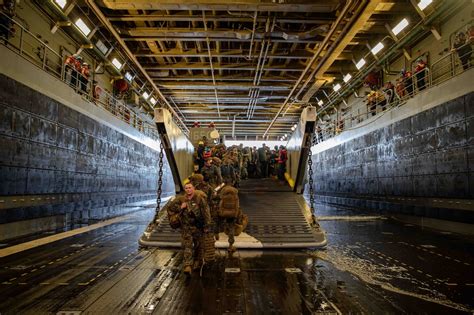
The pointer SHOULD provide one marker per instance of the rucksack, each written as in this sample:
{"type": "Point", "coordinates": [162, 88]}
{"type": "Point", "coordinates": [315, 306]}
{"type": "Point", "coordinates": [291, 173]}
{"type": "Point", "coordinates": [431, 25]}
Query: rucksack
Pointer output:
{"type": "Point", "coordinates": [229, 203]}
{"type": "Point", "coordinates": [226, 170]}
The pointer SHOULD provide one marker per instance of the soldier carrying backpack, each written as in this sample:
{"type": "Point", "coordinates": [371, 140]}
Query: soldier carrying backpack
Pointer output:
{"type": "Point", "coordinates": [228, 212]}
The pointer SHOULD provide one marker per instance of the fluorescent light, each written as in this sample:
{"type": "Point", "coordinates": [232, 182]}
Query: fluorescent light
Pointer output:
{"type": "Point", "coordinates": [360, 64]}
{"type": "Point", "coordinates": [347, 77]}
{"type": "Point", "coordinates": [62, 3]}
{"type": "Point", "coordinates": [400, 26]}
{"type": "Point", "coordinates": [145, 95]}
{"type": "Point", "coordinates": [101, 46]}
{"type": "Point", "coordinates": [424, 3]}
{"type": "Point", "coordinates": [117, 63]}
{"type": "Point", "coordinates": [293, 128]}
{"type": "Point", "coordinates": [82, 27]}
{"type": "Point", "coordinates": [295, 125]}
{"type": "Point", "coordinates": [286, 135]}
{"type": "Point", "coordinates": [337, 87]}
{"type": "Point", "coordinates": [320, 103]}
{"type": "Point", "coordinates": [152, 100]}
{"type": "Point", "coordinates": [128, 77]}
{"type": "Point", "coordinates": [377, 48]}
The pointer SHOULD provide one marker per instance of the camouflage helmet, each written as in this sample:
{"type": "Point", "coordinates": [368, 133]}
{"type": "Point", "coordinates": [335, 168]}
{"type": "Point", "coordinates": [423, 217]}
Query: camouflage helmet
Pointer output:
{"type": "Point", "coordinates": [196, 178]}
{"type": "Point", "coordinates": [216, 160]}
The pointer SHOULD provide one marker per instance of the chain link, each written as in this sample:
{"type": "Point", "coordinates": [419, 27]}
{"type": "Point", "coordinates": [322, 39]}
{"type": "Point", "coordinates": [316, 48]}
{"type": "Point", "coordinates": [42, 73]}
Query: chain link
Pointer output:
{"type": "Point", "coordinates": [310, 176]}
{"type": "Point", "coordinates": [160, 179]}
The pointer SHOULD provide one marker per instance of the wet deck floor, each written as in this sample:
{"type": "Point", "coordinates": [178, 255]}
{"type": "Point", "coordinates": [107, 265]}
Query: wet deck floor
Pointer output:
{"type": "Point", "coordinates": [371, 265]}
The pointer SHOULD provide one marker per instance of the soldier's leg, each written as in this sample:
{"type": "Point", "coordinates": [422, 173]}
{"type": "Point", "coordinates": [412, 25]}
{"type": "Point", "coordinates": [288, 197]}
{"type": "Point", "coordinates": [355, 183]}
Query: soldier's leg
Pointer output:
{"type": "Point", "coordinates": [198, 253]}
{"type": "Point", "coordinates": [231, 228]}
{"type": "Point", "coordinates": [187, 244]}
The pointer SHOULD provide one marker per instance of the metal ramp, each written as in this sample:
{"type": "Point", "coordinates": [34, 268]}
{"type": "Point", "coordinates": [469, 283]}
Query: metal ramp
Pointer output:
{"type": "Point", "coordinates": [276, 220]}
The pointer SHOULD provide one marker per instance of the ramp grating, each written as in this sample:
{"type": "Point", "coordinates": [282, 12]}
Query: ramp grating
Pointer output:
{"type": "Point", "coordinates": [275, 220]}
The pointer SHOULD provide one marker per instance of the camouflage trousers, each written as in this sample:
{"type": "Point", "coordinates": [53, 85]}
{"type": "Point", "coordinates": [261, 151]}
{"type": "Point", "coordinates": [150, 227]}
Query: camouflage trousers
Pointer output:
{"type": "Point", "coordinates": [191, 242]}
{"type": "Point", "coordinates": [229, 229]}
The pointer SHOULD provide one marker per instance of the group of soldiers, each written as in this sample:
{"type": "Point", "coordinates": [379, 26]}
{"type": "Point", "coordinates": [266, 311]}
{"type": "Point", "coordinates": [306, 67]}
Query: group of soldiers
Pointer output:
{"type": "Point", "coordinates": [238, 162]}
{"type": "Point", "coordinates": [199, 209]}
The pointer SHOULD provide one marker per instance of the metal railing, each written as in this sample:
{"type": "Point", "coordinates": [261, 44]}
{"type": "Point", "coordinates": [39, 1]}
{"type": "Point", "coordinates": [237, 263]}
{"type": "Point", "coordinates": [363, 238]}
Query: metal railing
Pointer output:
{"type": "Point", "coordinates": [377, 103]}
{"type": "Point", "coordinates": [26, 44]}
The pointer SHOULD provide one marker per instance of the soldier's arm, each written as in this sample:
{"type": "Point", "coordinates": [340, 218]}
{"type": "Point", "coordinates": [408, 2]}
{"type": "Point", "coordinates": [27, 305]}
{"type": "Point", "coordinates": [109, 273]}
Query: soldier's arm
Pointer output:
{"type": "Point", "coordinates": [218, 175]}
{"type": "Point", "coordinates": [206, 213]}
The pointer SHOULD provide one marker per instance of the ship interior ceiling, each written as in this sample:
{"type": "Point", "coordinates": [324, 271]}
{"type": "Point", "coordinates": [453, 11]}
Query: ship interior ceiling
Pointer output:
{"type": "Point", "coordinates": [249, 65]}
{"type": "Point", "coordinates": [363, 203]}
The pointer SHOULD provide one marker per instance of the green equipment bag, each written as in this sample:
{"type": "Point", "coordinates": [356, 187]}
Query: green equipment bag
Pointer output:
{"type": "Point", "coordinates": [229, 203]}
{"type": "Point", "coordinates": [208, 247]}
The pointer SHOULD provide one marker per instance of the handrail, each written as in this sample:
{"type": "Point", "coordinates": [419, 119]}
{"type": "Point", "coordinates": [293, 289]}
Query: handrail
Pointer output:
{"type": "Point", "coordinates": [440, 71]}
{"type": "Point", "coordinates": [72, 77]}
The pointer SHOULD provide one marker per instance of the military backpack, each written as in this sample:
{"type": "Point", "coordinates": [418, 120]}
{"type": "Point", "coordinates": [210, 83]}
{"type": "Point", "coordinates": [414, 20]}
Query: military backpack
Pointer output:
{"type": "Point", "coordinates": [229, 204]}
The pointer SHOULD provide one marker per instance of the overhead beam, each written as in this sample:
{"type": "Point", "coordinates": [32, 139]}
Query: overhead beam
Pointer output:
{"type": "Point", "coordinates": [165, 33]}
{"type": "Point", "coordinates": [341, 45]}
{"type": "Point", "coordinates": [234, 67]}
{"type": "Point", "coordinates": [288, 19]}
{"type": "Point", "coordinates": [323, 6]}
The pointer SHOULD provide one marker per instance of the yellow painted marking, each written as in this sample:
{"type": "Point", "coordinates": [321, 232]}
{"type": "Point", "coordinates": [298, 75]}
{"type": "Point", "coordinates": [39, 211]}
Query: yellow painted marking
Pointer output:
{"type": "Point", "coordinates": [33, 270]}
{"type": "Point", "coordinates": [44, 283]}
{"type": "Point", "coordinates": [14, 200]}
{"type": "Point", "coordinates": [42, 266]}
{"type": "Point", "coordinates": [419, 271]}
{"type": "Point", "coordinates": [83, 283]}
{"type": "Point", "coordinates": [429, 276]}
{"type": "Point", "coordinates": [63, 283]}
{"type": "Point", "coordinates": [58, 259]}
{"type": "Point", "coordinates": [51, 262]}
{"type": "Point", "coordinates": [53, 238]}
{"type": "Point", "coordinates": [24, 274]}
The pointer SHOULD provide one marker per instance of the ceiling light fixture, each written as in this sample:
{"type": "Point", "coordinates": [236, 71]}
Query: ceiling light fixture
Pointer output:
{"type": "Point", "coordinates": [347, 77]}
{"type": "Point", "coordinates": [152, 101]}
{"type": "Point", "coordinates": [400, 26]}
{"type": "Point", "coordinates": [83, 27]}
{"type": "Point", "coordinates": [117, 63]}
{"type": "Point", "coordinates": [337, 87]}
{"type": "Point", "coordinates": [62, 3]}
{"type": "Point", "coordinates": [360, 63]}
{"type": "Point", "coordinates": [424, 3]}
{"type": "Point", "coordinates": [145, 95]}
{"type": "Point", "coordinates": [377, 48]}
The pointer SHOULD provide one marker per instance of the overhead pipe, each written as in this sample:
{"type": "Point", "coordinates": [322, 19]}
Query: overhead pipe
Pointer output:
{"type": "Point", "coordinates": [259, 72]}
{"type": "Point", "coordinates": [253, 35]}
{"type": "Point", "coordinates": [111, 29]}
{"type": "Point", "coordinates": [309, 65]}
{"type": "Point", "coordinates": [210, 62]}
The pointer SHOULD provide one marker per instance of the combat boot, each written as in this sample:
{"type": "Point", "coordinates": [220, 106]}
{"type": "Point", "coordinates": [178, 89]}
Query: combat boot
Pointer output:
{"type": "Point", "coordinates": [187, 270]}
{"type": "Point", "coordinates": [196, 265]}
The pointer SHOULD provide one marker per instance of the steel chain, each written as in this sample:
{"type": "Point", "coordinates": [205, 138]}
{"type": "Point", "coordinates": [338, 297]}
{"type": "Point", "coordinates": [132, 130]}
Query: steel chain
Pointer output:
{"type": "Point", "coordinates": [310, 177]}
{"type": "Point", "coordinates": [160, 179]}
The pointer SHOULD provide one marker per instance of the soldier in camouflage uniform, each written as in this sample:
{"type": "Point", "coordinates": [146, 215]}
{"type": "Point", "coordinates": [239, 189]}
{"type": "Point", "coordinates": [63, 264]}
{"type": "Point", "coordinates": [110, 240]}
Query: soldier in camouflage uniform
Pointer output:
{"type": "Point", "coordinates": [198, 181]}
{"type": "Point", "coordinates": [211, 173]}
{"type": "Point", "coordinates": [195, 221]}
